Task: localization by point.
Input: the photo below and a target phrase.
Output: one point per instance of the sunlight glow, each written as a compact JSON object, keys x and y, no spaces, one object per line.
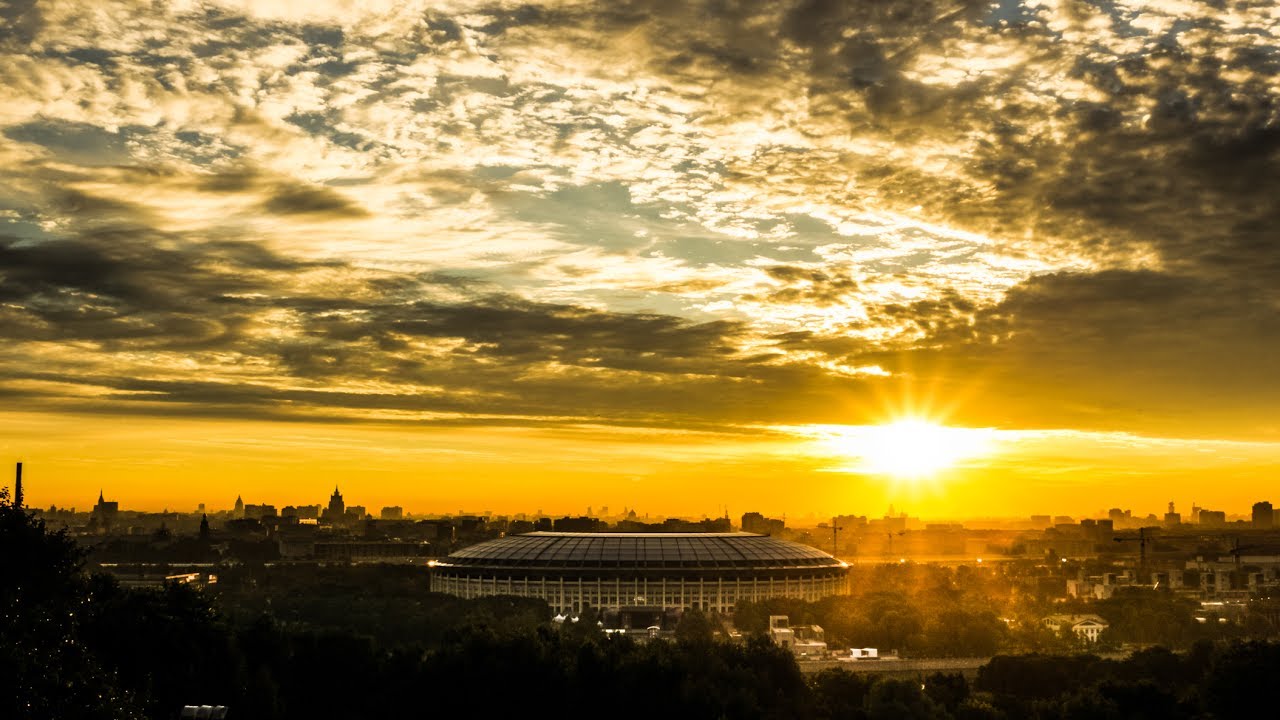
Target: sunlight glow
{"x":905,"y":449}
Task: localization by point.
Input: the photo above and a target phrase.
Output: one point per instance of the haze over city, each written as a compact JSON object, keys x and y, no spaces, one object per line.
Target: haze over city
{"x":972,"y":259}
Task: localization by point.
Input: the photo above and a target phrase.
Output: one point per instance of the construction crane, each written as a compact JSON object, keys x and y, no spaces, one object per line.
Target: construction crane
{"x":835,"y":537}
{"x":890,"y":536}
{"x":1142,"y":545}
{"x":1236,"y":548}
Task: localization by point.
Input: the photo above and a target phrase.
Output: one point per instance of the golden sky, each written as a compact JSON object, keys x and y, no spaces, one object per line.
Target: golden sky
{"x":676,"y":256}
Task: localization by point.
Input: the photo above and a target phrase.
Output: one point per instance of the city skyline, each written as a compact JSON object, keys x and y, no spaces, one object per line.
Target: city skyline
{"x":1189,"y":516}
{"x":971,"y":259}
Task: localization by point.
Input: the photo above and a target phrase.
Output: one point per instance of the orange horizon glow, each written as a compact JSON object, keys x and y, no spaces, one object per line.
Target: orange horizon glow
{"x":154,"y":464}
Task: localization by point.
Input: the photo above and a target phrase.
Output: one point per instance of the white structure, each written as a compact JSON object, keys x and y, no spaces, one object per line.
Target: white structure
{"x":1089,"y":627}
{"x":805,"y":641}
{"x":780,"y":632}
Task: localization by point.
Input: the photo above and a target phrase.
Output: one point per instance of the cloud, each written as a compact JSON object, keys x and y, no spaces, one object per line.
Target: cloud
{"x":302,"y":200}
{"x":646,"y":212}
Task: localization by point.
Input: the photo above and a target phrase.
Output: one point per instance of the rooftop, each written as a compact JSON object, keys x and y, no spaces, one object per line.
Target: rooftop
{"x":647,"y":550}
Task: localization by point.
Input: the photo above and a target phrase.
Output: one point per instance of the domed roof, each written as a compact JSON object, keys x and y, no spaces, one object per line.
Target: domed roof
{"x":642,"y":550}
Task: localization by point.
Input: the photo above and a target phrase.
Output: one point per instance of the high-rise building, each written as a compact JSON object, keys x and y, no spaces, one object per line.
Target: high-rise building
{"x":1263,"y":515}
{"x":258,"y":512}
{"x":337,"y":510}
{"x":17,"y":488}
{"x":1213,"y":518}
{"x":238,"y":511}
{"x":105,"y":511}
{"x":754,"y":522}
{"x":392,"y":512}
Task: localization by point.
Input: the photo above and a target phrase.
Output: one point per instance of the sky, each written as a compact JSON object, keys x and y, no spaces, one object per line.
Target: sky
{"x":677,"y":256}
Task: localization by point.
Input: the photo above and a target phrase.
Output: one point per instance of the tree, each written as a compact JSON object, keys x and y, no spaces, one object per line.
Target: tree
{"x":694,"y":627}
{"x":46,"y":670}
{"x":901,"y":700}
{"x":947,"y":690}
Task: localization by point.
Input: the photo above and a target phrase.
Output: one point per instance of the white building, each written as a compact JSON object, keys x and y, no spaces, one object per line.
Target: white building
{"x":1089,"y":627}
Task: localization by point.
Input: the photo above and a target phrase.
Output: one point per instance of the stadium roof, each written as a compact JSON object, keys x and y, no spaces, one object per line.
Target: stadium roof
{"x":642,"y":550}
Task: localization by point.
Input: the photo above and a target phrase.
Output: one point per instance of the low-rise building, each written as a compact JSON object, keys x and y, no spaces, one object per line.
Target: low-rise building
{"x":1088,"y":627}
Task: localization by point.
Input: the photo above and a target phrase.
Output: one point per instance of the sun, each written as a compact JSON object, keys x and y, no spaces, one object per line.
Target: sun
{"x":908,"y":448}
{"x":916,"y":448}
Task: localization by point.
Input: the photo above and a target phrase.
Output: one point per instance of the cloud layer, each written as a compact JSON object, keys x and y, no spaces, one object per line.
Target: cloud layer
{"x":705,"y":215}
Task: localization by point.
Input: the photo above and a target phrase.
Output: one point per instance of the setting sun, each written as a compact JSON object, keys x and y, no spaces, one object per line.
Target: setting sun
{"x":917,"y":448}
{"x":906,"y":449}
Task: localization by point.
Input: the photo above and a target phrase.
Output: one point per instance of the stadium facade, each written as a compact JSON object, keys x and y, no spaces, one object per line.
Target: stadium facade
{"x":614,"y":571}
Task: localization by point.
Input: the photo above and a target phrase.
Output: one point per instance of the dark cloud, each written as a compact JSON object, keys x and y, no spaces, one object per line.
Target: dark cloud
{"x":132,"y":292}
{"x":129,"y":285}
{"x":297,"y":199}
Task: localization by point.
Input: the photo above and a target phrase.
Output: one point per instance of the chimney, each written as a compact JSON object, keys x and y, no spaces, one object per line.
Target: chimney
{"x":17,"y":488}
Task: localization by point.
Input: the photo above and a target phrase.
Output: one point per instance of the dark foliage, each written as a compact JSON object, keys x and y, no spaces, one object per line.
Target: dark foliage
{"x":73,"y":646}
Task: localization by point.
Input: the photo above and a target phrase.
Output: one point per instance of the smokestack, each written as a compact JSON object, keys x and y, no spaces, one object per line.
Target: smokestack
{"x":17,"y":488}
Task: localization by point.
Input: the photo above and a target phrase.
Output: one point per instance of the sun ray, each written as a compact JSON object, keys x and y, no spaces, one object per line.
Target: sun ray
{"x":907,"y":449}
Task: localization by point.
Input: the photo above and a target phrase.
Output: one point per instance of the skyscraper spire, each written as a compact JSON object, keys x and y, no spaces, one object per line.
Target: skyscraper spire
{"x":100,"y":498}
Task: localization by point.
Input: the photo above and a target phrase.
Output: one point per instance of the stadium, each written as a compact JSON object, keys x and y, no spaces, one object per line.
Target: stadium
{"x":617,"y":571}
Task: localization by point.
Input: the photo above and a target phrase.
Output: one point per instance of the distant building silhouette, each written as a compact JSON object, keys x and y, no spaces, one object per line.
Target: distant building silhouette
{"x":754,"y":522}
{"x":17,"y":488}
{"x":1213,"y":518}
{"x":337,"y":510}
{"x":257,"y":512}
{"x":238,"y":511}
{"x":392,"y":512}
{"x":1263,"y":514}
{"x":105,"y":511}
{"x":579,"y":524}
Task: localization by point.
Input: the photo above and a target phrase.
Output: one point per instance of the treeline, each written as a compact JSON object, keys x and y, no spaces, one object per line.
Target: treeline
{"x":936,"y":611}
{"x":74,"y":646}
{"x":887,"y":621}
{"x":1208,"y":681}
{"x":387,"y":603}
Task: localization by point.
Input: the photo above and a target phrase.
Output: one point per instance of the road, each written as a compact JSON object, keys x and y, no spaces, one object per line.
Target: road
{"x":907,"y":667}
